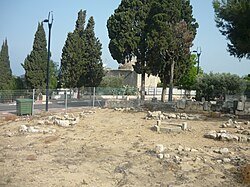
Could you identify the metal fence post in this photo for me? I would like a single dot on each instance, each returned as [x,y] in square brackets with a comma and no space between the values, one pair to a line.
[33,101]
[66,101]
[93,97]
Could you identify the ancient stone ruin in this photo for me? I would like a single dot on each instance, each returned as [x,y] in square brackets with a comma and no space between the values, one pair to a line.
[242,133]
[163,126]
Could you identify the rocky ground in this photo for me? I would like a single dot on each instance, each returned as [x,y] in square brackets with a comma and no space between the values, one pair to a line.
[104,147]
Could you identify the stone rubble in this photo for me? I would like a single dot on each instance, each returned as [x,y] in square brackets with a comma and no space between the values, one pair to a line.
[158,115]
[181,155]
[125,109]
[226,136]
[234,124]
[159,148]
[35,129]
[63,120]
[241,135]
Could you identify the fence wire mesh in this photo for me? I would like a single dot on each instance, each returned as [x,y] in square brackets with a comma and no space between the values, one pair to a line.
[85,97]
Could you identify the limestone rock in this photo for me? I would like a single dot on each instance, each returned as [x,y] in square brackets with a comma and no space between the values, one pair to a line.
[243,139]
[184,126]
[33,130]
[224,125]
[172,116]
[23,128]
[230,122]
[223,131]
[159,148]
[176,159]
[157,128]
[63,123]
[194,150]
[160,156]
[223,151]
[226,160]
[187,149]
[167,156]
[226,137]
[219,161]
[211,135]
[154,115]
[180,148]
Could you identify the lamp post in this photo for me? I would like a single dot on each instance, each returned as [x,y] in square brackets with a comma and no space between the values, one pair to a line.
[198,52]
[49,21]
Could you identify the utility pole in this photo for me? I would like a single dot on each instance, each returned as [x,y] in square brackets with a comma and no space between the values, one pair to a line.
[50,22]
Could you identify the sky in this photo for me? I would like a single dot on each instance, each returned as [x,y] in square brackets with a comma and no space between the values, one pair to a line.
[19,20]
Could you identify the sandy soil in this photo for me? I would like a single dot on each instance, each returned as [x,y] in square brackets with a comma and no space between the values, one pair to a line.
[112,148]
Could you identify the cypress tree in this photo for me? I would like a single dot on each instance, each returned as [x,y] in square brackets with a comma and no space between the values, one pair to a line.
[5,70]
[171,30]
[94,67]
[35,64]
[127,35]
[73,57]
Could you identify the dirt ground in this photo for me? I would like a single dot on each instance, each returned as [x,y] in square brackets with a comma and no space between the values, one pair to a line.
[117,148]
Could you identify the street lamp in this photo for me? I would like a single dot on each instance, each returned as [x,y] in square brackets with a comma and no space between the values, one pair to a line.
[49,21]
[198,52]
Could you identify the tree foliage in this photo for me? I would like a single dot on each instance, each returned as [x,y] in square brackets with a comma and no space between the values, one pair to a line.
[73,58]
[233,18]
[53,83]
[94,67]
[126,28]
[157,33]
[215,85]
[188,80]
[81,63]
[19,83]
[6,80]
[112,82]
[35,64]
[247,82]
[172,29]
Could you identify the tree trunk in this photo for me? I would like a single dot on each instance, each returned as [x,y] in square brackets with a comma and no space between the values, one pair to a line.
[78,93]
[164,90]
[170,94]
[143,75]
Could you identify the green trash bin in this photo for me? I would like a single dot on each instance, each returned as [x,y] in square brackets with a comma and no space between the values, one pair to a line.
[24,106]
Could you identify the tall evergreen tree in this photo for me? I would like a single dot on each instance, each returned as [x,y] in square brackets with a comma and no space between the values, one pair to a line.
[127,35]
[73,55]
[156,33]
[94,67]
[35,64]
[81,63]
[171,30]
[6,80]
[233,20]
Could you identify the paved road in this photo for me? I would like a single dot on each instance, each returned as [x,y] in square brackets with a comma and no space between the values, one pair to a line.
[53,105]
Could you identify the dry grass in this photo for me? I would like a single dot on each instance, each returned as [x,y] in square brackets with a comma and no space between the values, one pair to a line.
[246,174]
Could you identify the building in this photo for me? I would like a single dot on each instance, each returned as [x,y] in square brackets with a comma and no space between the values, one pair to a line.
[131,78]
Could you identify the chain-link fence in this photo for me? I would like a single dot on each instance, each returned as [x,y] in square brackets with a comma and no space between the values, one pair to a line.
[85,97]
[9,96]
